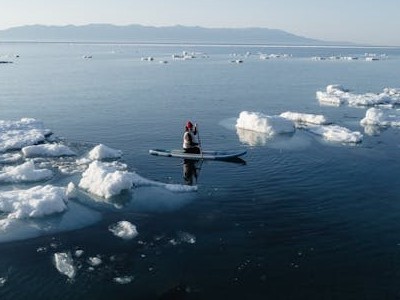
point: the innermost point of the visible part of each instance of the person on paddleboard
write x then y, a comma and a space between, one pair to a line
190, 144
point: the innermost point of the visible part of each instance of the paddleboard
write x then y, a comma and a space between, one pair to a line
210, 155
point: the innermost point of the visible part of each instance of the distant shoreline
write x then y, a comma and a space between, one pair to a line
187, 44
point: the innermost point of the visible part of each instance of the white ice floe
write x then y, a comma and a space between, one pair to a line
124, 229
18, 134
47, 150
65, 264
103, 152
270, 125
336, 95
380, 117
105, 180
335, 133
24, 173
303, 118
35, 202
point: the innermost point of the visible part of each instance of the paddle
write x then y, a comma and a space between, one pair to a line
199, 140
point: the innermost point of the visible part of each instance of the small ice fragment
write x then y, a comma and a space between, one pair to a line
47, 150
79, 253
95, 261
3, 281
24, 173
123, 279
186, 237
65, 264
124, 230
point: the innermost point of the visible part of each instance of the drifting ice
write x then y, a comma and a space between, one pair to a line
302, 118
379, 117
103, 152
35, 202
18, 134
335, 95
335, 133
47, 150
271, 125
24, 173
65, 264
124, 230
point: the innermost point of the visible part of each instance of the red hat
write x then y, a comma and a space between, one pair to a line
189, 125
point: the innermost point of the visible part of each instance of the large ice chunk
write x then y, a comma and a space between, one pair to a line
379, 117
103, 152
18, 134
47, 150
35, 202
259, 122
24, 173
105, 180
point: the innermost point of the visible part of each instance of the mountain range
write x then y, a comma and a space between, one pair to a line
150, 34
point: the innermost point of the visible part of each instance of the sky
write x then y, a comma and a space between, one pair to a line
373, 22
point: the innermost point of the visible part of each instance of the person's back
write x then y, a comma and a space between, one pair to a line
189, 139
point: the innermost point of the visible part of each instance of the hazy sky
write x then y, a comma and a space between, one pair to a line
360, 21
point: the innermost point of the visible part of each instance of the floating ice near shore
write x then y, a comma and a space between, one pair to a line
35, 202
18, 134
65, 264
336, 95
379, 117
47, 150
302, 118
335, 133
124, 229
270, 125
24, 173
103, 152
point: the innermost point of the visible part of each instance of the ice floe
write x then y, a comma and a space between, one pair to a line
18, 134
270, 125
47, 150
335, 133
336, 95
380, 117
35, 202
124, 229
101, 152
303, 118
123, 279
264, 128
25, 172
9, 158
106, 180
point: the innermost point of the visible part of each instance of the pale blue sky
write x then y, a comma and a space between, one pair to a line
360, 21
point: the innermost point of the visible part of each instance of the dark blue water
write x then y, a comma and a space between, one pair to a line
301, 218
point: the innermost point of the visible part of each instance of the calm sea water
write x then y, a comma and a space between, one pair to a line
300, 218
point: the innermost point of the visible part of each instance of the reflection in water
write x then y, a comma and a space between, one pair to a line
190, 171
252, 138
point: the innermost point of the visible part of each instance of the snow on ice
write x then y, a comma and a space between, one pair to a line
47, 150
18, 134
25, 172
381, 117
101, 152
302, 118
65, 264
35, 202
270, 125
